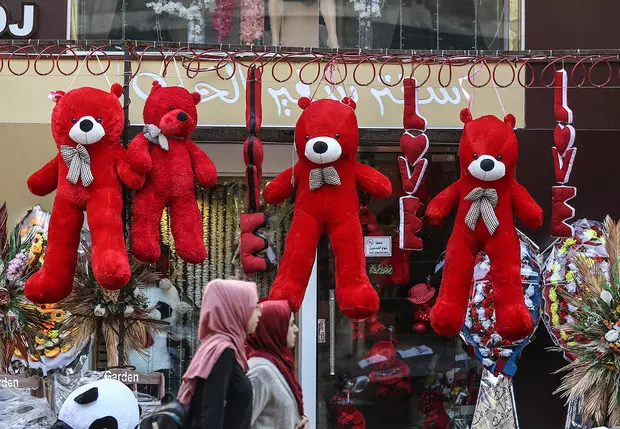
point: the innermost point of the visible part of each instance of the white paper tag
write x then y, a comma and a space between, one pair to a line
415, 351
378, 247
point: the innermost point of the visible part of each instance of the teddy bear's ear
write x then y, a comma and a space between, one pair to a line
510, 120
465, 115
56, 95
117, 89
304, 102
156, 85
196, 98
349, 102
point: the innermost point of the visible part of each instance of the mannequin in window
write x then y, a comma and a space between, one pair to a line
328, 11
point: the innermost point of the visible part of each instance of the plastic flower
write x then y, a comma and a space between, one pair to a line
606, 296
570, 276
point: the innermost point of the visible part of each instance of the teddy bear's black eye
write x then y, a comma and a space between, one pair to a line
337, 135
73, 120
171, 107
499, 157
475, 155
307, 138
99, 120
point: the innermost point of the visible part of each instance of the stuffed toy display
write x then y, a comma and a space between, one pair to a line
171, 160
102, 404
488, 196
325, 180
168, 307
87, 172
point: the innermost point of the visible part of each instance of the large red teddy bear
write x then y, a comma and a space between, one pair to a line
326, 178
488, 196
171, 160
87, 172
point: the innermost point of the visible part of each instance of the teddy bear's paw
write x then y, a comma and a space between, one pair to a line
112, 270
447, 318
357, 302
41, 288
514, 323
193, 255
280, 292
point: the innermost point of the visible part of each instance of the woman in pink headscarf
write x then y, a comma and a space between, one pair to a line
215, 389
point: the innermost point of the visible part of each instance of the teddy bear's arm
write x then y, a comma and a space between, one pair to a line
280, 188
371, 181
138, 154
526, 208
45, 180
130, 177
204, 169
441, 206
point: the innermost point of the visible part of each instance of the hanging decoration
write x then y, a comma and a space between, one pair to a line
164, 146
560, 277
253, 245
325, 179
252, 22
498, 355
192, 13
592, 377
488, 197
564, 153
82, 172
89, 306
422, 296
414, 145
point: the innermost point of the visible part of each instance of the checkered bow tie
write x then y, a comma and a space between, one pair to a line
484, 203
322, 176
78, 161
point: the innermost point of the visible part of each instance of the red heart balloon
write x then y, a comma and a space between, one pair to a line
563, 137
414, 147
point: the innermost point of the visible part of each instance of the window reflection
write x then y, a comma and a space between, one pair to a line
378, 24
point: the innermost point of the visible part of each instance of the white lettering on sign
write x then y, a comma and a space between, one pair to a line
9, 383
123, 377
23, 29
378, 247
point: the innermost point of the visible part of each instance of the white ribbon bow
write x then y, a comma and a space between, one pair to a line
484, 203
78, 161
321, 176
155, 136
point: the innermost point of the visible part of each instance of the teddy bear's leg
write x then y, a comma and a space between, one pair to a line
186, 226
514, 321
55, 280
448, 314
295, 268
110, 261
356, 297
147, 211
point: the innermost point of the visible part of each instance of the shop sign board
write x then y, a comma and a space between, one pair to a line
379, 104
35, 19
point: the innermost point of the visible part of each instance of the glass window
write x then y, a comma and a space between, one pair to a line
391, 24
393, 372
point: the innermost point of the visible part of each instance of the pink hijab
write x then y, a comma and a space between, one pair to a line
227, 306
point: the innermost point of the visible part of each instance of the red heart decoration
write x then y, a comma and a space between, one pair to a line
563, 137
414, 147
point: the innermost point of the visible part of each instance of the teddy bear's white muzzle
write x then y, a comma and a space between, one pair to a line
323, 150
487, 168
86, 131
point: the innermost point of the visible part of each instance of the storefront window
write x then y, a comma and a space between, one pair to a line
393, 372
378, 24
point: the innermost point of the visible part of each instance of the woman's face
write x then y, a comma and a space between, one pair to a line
293, 330
253, 322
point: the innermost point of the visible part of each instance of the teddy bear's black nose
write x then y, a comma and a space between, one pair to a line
319, 147
487, 164
86, 125
182, 116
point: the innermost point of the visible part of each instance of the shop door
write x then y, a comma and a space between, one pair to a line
392, 372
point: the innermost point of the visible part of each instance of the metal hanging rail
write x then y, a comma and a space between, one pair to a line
530, 69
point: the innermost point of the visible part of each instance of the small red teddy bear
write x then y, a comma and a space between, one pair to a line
488, 196
87, 171
326, 178
171, 160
